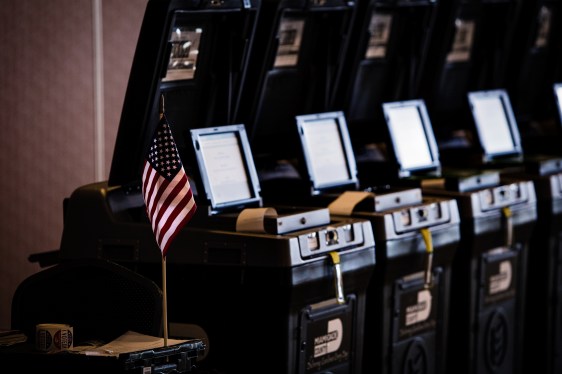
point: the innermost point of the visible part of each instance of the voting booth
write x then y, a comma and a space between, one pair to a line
385, 62
498, 136
416, 237
195, 57
300, 48
534, 66
488, 282
302, 74
470, 50
281, 290
240, 282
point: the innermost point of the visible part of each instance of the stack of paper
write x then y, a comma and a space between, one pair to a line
10, 337
129, 342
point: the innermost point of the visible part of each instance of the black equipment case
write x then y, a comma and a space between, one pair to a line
488, 283
101, 301
174, 359
416, 237
300, 49
288, 298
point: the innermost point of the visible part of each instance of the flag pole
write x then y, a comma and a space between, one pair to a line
158, 181
164, 292
164, 302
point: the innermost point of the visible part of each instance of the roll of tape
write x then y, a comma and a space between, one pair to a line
53, 337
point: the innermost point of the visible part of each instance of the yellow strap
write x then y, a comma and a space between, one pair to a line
426, 234
506, 212
335, 257
338, 278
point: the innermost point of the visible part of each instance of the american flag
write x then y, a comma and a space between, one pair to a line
167, 194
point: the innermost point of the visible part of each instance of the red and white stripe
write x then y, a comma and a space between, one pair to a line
169, 204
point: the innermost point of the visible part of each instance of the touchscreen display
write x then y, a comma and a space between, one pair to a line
225, 167
492, 124
326, 155
558, 93
411, 143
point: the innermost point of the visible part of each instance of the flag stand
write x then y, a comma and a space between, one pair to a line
165, 188
164, 302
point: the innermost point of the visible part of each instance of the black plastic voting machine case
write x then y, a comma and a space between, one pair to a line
499, 139
535, 64
543, 334
267, 290
316, 290
194, 54
470, 50
489, 270
387, 58
416, 237
295, 295
300, 47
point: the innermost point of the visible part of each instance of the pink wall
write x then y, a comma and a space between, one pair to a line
47, 122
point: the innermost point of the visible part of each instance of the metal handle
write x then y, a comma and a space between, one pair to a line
509, 225
338, 278
426, 234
